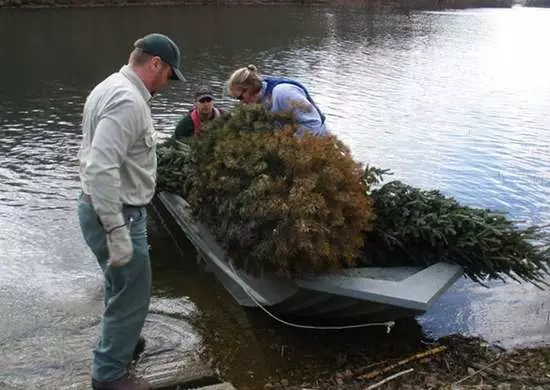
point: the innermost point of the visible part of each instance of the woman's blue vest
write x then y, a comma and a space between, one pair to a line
273, 81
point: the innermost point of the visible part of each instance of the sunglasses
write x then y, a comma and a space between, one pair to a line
241, 97
205, 100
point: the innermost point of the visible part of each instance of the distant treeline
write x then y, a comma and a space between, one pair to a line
537, 3
401, 4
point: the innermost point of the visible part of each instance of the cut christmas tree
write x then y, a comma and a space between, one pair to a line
296, 205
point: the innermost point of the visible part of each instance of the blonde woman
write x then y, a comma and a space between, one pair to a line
279, 94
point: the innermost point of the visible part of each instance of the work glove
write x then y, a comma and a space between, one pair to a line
119, 242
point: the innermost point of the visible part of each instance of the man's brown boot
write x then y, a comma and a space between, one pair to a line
128, 382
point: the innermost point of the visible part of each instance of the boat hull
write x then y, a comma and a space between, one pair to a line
376, 293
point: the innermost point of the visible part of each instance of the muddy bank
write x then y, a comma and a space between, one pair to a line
407, 4
453, 362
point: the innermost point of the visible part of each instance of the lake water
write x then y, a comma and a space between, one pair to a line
457, 101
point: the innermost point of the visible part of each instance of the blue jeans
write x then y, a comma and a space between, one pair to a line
127, 292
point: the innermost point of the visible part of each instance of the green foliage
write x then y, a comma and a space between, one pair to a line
415, 227
172, 157
374, 176
295, 205
277, 202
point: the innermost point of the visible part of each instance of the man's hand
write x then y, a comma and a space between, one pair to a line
120, 247
119, 242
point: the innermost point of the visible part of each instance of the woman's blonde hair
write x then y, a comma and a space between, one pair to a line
247, 77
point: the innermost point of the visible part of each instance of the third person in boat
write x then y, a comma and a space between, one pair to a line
279, 94
203, 110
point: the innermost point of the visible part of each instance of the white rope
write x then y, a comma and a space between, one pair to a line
389, 324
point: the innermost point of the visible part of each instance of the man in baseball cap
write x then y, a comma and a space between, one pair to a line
161, 46
118, 179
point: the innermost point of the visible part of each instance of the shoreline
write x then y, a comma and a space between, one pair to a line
375, 4
451, 362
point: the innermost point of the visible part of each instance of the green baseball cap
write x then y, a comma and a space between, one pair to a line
160, 45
